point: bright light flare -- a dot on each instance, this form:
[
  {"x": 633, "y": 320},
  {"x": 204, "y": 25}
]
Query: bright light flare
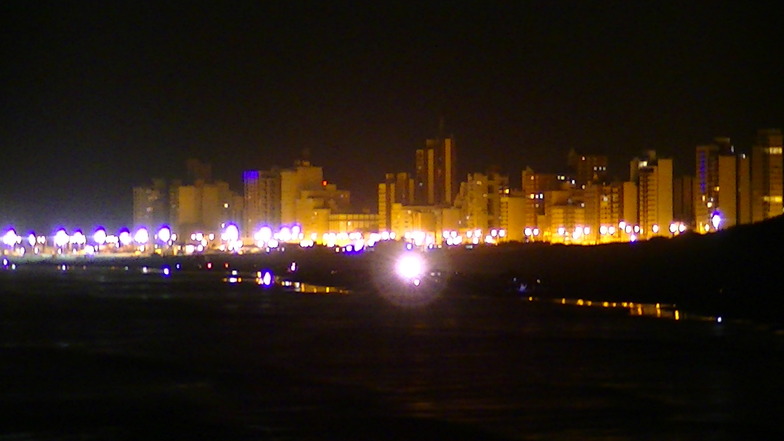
[
  {"x": 125, "y": 238},
  {"x": 9, "y": 238},
  {"x": 263, "y": 235},
  {"x": 99, "y": 236},
  {"x": 142, "y": 236},
  {"x": 410, "y": 266},
  {"x": 231, "y": 233},
  {"x": 61, "y": 238},
  {"x": 78, "y": 238},
  {"x": 164, "y": 234},
  {"x": 716, "y": 221}
]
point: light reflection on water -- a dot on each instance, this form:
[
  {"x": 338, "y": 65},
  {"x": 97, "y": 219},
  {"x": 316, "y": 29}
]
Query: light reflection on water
[
  {"x": 665, "y": 311},
  {"x": 266, "y": 279}
]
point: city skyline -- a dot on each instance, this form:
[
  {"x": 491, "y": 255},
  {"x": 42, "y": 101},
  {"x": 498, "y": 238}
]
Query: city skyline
[{"x": 101, "y": 99}]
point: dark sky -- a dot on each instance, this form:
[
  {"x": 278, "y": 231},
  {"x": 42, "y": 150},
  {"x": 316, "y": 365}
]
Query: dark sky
[{"x": 98, "y": 97}]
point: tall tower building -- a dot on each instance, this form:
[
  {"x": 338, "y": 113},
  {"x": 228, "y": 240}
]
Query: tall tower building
[
  {"x": 205, "y": 207},
  {"x": 396, "y": 188},
  {"x": 654, "y": 200},
  {"x": 261, "y": 200},
  {"x": 603, "y": 210},
  {"x": 767, "y": 178},
  {"x": 683, "y": 199},
  {"x": 722, "y": 186},
  {"x": 303, "y": 176},
  {"x": 151, "y": 205},
  {"x": 482, "y": 200},
  {"x": 436, "y": 181}
]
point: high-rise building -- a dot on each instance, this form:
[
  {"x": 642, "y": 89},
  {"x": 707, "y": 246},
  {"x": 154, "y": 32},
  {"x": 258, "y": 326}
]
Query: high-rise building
[
  {"x": 654, "y": 189},
  {"x": 151, "y": 205},
  {"x": 205, "y": 207},
  {"x": 314, "y": 208},
  {"x": 603, "y": 211},
  {"x": 722, "y": 186},
  {"x": 475, "y": 201},
  {"x": 436, "y": 179},
  {"x": 767, "y": 178},
  {"x": 261, "y": 200},
  {"x": 514, "y": 208},
  {"x": 683, "y": 199},
  {"x": 480, "y": 197},
  {"x": 396, "y": 188},
  {"x": 535, "y": 185},
  {"x": 587, "y": 168},
  {"x": 303, "y": 176}
]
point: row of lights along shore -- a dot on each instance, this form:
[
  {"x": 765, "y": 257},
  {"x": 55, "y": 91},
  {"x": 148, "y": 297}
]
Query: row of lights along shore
[{"x": 164, "y": 240}]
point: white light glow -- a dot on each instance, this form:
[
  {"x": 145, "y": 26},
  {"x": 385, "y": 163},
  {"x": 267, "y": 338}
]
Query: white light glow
[
  {"x": 231, "y": 233},
  {"x": 99, "y": 236},
  {"x": 716, "y": 221},
  {"x": 61, "y": 238},
  {"x": 9, "y": 238},
  {"x": 142, "y": 236},
  {"x": 164, "y": 234},
  {"x": 125, "y": 238},
  {"x": 410, "y": 266}
]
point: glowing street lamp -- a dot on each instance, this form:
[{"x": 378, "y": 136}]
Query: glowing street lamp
[
  {"x": 61, "y": 238},
  {"x": 142, "y": 237},
  {"x": 164, "y": 234},
  {"x": 99, "y": 237},
  {"x": 125, "y": 238},
  {"x": 716, "y": 220},
  {"x": 263, "y": 235},
  {"x": 78, "y": 239},
  {"x": 10, "y": 238},
  {"x": 231, "y": 235}
]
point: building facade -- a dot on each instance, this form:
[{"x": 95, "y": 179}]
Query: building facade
[
  {"x": 261, "y": 200},
  {"x": 722, "y": 186},
  {"x": 654, "y": 189},
  {"x": 396, "y": 188},
  {"x": 151, "y": 205},
  {"x": 767, "y": 177},
  {"x": 436, "y": 180},
  {"x": 293, "y": 181}
]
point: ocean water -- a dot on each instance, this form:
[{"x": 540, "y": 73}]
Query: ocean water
[{"x": 110, "y": 353}]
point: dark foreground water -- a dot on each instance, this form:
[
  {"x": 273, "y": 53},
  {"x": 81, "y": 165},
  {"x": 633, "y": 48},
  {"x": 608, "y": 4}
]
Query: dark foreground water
[{"x": 99, "y": 354}]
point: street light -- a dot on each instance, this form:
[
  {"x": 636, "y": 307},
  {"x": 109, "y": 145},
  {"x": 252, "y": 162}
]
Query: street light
[
  {"x": 231, "y": 234},
  {"x": 164, "y": 234},
  {"x": 10, "y": 238},
  {"x": 125, "y": 237},
  {"x": 99, "y": 237},
  {"x": 61, "y": 239},
  {"x": 78, "y": 239},
  {"x": 141, "y": 237},
  {"x": 716, "y": 220}
]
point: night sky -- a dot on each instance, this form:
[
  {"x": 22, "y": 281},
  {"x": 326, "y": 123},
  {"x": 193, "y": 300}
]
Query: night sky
[{"x": 98, "y": 97}]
